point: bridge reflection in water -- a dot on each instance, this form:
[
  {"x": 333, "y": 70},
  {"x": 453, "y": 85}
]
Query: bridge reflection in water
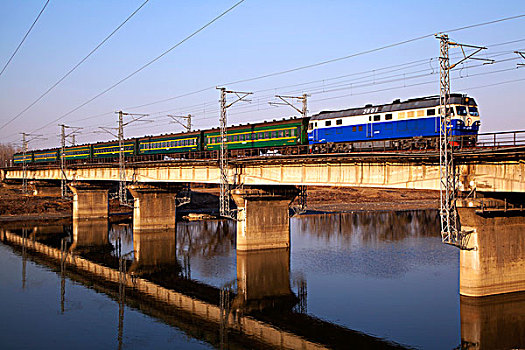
[{"x": 263, "y": 295}]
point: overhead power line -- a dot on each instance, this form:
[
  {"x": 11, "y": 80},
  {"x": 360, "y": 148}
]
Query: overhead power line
[
  {"x": 399, "y": 43},
  {"x": 146, "y": 65},
  {"x": 24, "y": 38},
  {"x": 294, "y": 69},
  {"x": 75, "y": 67}
]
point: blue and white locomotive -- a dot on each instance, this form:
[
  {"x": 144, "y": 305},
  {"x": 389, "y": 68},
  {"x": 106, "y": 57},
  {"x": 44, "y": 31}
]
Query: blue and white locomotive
[{"x": 413, "y": 123}]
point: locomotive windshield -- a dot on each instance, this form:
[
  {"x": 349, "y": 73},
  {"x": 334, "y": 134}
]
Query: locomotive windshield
[
  {"x": 461, "y": 110},
  {"x": 473, "y": 111}
]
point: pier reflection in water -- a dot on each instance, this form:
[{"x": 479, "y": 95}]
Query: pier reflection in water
[
  {"x": 494, "y": 322},
  {"x": 385, "y": 274}
]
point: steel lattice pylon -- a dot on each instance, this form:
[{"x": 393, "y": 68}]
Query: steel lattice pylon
[
  {"x": 122, "y": 190},
  {"x": 223, "y": 161},
  {"x": 450, "y": 227},
  {"x": 24, "y": 163},
  {"x": 224, "y": 199},
  {"x": 448, "y": 212}
]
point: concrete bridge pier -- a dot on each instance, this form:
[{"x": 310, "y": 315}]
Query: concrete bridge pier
[
  {"x": 263, "y": 280},
  {"x": 263, "y": 217},
  {"x": 493, "y": 261},
  {"x": 154, "y": 206},
  {"x": 90, "y": 201}
]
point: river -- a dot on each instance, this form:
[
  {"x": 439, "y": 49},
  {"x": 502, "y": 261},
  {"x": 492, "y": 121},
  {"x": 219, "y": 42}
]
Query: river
[{"x": 350, "y": 280}]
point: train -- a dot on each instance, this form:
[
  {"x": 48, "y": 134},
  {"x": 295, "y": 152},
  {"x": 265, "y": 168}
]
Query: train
[{"x": 410, "y": 124}]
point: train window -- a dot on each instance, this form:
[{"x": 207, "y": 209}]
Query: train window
[
  {"x": 360, "y": 128},
  {"x": 328, "y": 123},
  {"x": 310, "y": 126},
  {"x": 461, "y": 110},
  {"x": 293, "y": 131},
  {"x": 377, "y": 118},
  {"x": 431, "y": 111},
  {"x": 388, "y": 116},
  {"x": 315, "y": 124},
  {"x": 354, "y": 128},
  {"x": 421, "y": 113},
  {"x": 473, "y": 111},
  {"x": 410, "y": 114},
  {"x": 274, "y": 134},
  {"x": 235, "y": 138},
  {"x": 287, "y": 132},
  {"x": 339, "y": 122},
  {"x": 280, "y": 133},
  {"x": 266, "y": 135},
  {"x": 450, "y": 111},
  {"x": 369, "y": 118},
  {"x": 400, "y": 115}
]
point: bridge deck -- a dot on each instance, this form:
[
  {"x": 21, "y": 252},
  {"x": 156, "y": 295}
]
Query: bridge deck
[{"x": 486, "y": 169}]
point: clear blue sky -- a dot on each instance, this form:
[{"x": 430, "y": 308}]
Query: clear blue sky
[{"x": 256, "y": 38}]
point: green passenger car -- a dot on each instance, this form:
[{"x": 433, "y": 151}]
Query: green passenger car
[
  {"x": 77, "y": 152},
  {"x": 19, "y": 158},
  {"x": 261, "y": 135},
  {"x": 50, "y": 155},
  {"x": 111, "y": 149},
  {"x": 175, "y": 143}
]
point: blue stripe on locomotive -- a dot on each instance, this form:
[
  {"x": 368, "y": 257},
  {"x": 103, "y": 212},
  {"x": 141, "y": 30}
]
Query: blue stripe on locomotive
[{"x": 389, "y": 130}]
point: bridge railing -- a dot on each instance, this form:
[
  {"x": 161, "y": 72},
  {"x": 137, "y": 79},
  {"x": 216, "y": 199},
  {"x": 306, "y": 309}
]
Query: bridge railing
[{"x": 501, "y": 139}]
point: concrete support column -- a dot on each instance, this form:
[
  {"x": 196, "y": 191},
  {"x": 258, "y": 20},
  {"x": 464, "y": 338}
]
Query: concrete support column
[
  {"x": 154, "y": 206},
  {"x": 263, "y": 217},
  {"x": 89, "y": 201},
  {"x": 494, "y": 259}
]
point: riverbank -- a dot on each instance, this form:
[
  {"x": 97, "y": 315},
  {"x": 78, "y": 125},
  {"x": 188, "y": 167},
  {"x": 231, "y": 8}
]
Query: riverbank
[{"x": 14, "y": 205}]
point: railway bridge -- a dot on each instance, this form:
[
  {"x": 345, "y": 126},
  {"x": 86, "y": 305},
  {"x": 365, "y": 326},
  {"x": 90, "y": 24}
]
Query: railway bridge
[{"x": 492, "y": 180}]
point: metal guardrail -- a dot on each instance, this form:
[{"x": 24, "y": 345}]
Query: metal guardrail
[{"x": 501, "y": 139}]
